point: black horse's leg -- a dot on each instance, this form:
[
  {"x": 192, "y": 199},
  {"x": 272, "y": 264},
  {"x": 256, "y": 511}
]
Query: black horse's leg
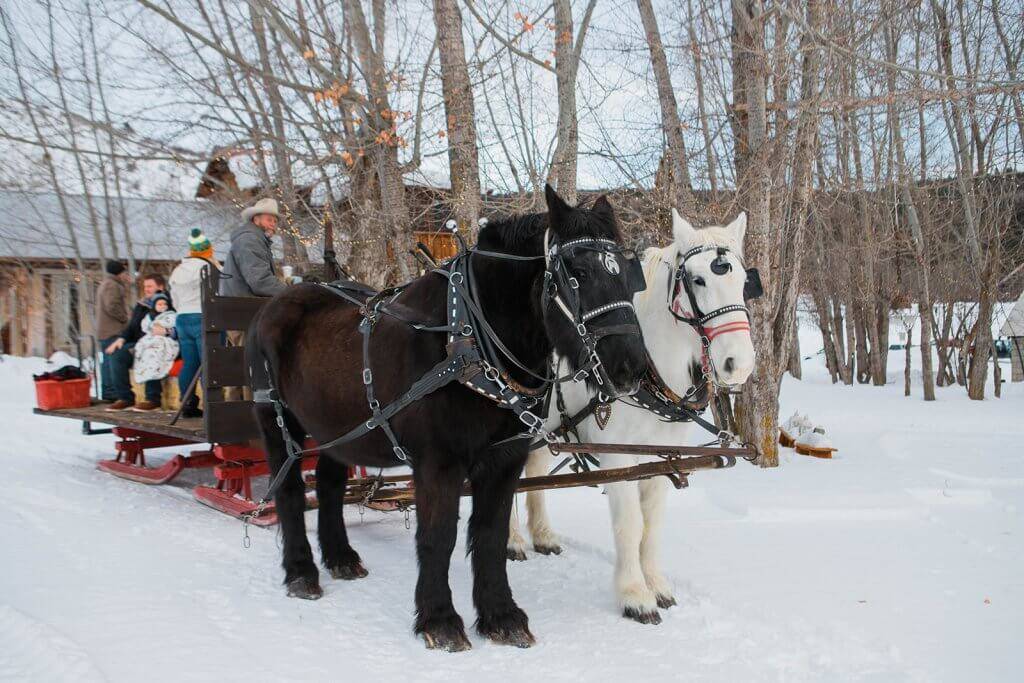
[
  {"x": 438, "y": 488},
  {"x": 339, "y": 558},
  {"x": 300, "y": 574},
  {"x": 494, "y": 479}
]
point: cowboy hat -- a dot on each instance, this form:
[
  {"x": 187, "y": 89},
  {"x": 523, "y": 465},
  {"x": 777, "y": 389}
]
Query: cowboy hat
[{"x": 268, "y": 206}]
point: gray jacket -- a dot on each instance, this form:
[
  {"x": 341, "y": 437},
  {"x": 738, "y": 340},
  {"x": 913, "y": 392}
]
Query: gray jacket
[{"x": 249, "y": 267}]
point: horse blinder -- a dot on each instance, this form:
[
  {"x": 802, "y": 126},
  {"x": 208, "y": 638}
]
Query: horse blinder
[
  {"x": 721, "y": 265},
  {"x": 752, "y": 288},
  {"x": 635, "y": 280}
]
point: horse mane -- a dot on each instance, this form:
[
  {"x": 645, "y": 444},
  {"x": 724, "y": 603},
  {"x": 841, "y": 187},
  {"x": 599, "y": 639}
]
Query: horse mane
[
  {"x": 521, "y": 234},
  {"x": 518, "y": 234}
]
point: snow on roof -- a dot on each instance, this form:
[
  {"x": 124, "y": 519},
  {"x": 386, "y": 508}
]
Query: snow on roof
[
  {"x": 32, "y": 226},
  {"x": 1014, "y": 325}
]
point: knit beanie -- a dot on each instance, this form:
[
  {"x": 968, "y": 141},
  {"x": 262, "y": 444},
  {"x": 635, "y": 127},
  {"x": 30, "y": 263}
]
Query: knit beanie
[
  {"x": 157, "y": 297},
  {"x": 199, "y": 244},
  {"x": 115, "y": 267}
]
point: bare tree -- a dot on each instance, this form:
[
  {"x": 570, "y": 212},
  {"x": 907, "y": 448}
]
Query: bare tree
[
  {"x": 682, "y": 197},
  {"x": 460, "y": 116}
]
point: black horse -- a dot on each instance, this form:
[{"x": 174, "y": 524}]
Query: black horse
[{"x": 306, "y": 340}]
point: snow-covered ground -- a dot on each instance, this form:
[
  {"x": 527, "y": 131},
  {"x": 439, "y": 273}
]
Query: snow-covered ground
[{"x": 900, "y": 560}]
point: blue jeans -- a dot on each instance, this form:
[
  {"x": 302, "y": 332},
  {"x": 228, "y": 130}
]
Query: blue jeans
[
  {"x": 106, "y": 374},
  {"x": 190, "y": 337},
  {"x": 121, "y": 362}
]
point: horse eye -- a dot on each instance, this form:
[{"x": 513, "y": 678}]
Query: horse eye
[{"x": 699, "y": 281}]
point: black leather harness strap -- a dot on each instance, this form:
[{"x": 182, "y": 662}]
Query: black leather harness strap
[{"x": 472, "y": 353}]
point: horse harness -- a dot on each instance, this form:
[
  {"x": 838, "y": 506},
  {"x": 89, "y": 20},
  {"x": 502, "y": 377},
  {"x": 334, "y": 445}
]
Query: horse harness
[
  {"x": 473, "y": 351},
  {"x": 654, "y": 393}
]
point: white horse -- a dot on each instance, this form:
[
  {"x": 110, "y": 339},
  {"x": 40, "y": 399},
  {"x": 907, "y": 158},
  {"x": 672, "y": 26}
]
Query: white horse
[{"x": 711, "y": 258}]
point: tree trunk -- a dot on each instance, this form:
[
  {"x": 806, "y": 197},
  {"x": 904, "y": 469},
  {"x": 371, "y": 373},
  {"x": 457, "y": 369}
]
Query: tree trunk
[
  {"x": 705, "y": 124},
  {"x": 982, "y": 337},
  {"x": 682, "y": 196},
  {"x": 757, "y": 407},
  {"x": 913, "y": 223},
  {"x": 291, "y": 236},
  {"x": 567, "y": 58},
  {"x": 861, "y": 326},
  {"x": 882, "y": 324},
  {"x": 997, "y": 373},
  {"x": 384, "y": 153},
  {"x": 464, "y": 167},
  {"x": 906, "y": 361},
  {"x": 793, "y": 363},
  {"x": 944, "y": 348},
  {"x": 824, "y": 319}
]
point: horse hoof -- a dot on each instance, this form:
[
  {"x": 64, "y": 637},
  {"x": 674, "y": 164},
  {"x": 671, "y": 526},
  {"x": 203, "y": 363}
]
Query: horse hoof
[
  {"x": 516, "y": 554},
  {"x": 305, "y": 588},
  {"x": 349, "y": 572},
  {"x": 644, "y": 617},
  {"x": 666, "y": 601},
  {"x": 445, "y": 634},
  {"x": 510, "y": 628},
  {"x": 553, "y": 549}
]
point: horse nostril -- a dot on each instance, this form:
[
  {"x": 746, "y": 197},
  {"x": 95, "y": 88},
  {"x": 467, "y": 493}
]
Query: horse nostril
[{"x": 730, "y": 364}]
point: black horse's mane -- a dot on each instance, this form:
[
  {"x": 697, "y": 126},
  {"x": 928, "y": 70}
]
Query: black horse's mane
[{"x": 523, "y": 234}]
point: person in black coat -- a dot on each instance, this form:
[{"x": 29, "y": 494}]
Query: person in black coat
[{"x": 121, "y": 350}]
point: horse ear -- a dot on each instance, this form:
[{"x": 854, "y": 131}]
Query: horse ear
[
  {"x": 739, "y": 227},
  {"x": 602, "y": 206},
  {"x": 682, "y": 232},
  {"x": 557, "y": 207}
]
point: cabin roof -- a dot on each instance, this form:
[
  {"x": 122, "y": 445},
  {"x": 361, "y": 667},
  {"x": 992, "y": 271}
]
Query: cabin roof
[{"x": 32, "y": 227}]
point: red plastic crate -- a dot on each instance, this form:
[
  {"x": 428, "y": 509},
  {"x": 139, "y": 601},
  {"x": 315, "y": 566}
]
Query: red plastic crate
[{"x": 53, "y": 395}]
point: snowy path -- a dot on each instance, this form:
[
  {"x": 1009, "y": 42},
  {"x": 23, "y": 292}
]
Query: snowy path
[{"x": 898, "y": 561}]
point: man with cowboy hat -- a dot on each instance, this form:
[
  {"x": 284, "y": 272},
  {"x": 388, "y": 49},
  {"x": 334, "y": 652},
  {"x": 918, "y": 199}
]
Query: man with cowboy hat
[{"x": 249, "y": 267}]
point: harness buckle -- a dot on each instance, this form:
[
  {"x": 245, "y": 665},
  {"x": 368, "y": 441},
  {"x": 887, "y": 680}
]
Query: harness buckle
[
  {"x": 595, "y": 363},
  {"x": 574, "y": 283},
  {"x": 581, "y": 329},
  {"x": 367, "y": 376},
  {"x": 374, "y": 405},
  {"x": 400, "y": 453},
  {"x": 580, "y": 375},
  {"x": 532, "y": 422},
  {"x": 466, "y": 331},
  {"x": 454, "y": 275},
  {"x": 280, "y": 421}
]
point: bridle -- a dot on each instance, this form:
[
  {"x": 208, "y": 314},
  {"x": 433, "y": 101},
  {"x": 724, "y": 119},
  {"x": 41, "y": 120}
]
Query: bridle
[
  {"x": 653, "y": 393},
  {"x": 698, "y": 319},
  {"x": 562, "y": 290}
]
